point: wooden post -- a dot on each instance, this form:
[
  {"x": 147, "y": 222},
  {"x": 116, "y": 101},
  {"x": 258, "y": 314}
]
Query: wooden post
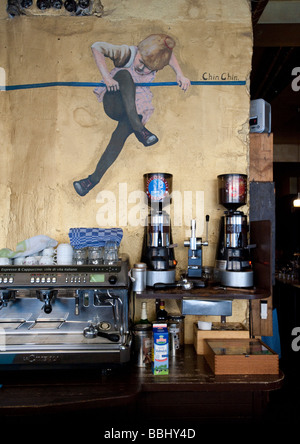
[
  {"x": 261, "y": 157},
  {"x": 261, "y": 170}
]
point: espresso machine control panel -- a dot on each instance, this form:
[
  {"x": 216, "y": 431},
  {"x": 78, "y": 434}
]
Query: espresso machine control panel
[{"x": 63, "y": 276}]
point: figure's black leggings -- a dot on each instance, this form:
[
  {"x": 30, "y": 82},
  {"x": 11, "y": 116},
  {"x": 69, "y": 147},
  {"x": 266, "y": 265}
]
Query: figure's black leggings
[{"x": 119, "y": 106}]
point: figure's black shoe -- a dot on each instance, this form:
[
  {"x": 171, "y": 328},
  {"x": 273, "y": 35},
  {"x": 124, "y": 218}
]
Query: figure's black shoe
[
  {"x": 146, "y": 137},
  {"x": 83, "y": 186}
]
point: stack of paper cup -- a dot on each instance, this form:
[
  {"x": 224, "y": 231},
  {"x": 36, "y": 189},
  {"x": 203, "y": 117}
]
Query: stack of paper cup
[{"x": 64, "y": 254}]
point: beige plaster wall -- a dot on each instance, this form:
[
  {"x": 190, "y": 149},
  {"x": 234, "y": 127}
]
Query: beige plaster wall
[{"x": 53, "y": 136}]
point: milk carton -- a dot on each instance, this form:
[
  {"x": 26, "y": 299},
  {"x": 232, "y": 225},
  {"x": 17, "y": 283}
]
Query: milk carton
[{"x": 160, "y": 350}]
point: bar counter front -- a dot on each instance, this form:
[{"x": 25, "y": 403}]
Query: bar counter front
[{"x": 191, "y": 392}]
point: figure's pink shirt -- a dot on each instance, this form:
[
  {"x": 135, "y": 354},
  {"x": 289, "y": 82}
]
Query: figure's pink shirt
[{"x": 144, "y": 96}]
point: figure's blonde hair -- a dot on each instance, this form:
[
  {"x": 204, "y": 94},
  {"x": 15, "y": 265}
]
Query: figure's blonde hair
[{"x": 156, "y": 51}]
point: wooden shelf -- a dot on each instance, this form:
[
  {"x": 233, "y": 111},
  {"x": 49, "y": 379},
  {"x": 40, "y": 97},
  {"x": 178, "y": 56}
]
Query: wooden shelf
[{"x": 204, "y": 293}]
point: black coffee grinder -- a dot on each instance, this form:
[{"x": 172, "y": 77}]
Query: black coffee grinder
[
  {"x": 233, "y": 256},
  {"x": 158, "y": 248}
]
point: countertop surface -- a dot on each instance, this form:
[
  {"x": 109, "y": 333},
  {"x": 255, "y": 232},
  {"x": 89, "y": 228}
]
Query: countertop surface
[{"x": 74, "y": 388}]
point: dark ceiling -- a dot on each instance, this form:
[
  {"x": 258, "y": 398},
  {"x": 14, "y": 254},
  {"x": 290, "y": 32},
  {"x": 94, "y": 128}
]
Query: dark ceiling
[{"x": 276, "y": 52}]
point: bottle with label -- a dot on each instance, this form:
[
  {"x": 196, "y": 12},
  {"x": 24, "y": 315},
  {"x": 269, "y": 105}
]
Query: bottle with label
[
  {"x": 144, "y": 315},
  {"x": 142, "y": 339},
  {"x": 162, "y": 315}
]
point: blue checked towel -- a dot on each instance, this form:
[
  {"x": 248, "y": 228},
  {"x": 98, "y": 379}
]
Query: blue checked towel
[{"x": 94, "y": 237}]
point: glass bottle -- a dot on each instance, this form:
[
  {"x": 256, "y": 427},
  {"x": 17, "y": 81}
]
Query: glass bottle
[
  {"x": 144, "y": 316},
  {"x": 142, "y": 339},
  {"x": 162, "y": 315}
]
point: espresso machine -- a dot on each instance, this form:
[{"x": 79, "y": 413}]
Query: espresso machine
[
  {"x": 158, "y": 248},
  {"x": 233, "y": 252},
  {"x": 62, "y": 316}
]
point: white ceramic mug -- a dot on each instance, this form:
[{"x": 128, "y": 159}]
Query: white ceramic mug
[
  {"x": 50, "y": 251},
  {"x": 19, "y": 260},
  {"x": 5, "y": 261},
  {"x": 65, "y": 249},
  {"x": 31, "y": 260},
  {"x": 64, "y": 254},
  {"x": 47, "y": 260}
]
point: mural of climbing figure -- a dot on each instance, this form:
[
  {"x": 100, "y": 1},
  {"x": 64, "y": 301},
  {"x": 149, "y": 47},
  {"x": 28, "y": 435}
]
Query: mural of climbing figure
[{"x": 123, "y": 101}]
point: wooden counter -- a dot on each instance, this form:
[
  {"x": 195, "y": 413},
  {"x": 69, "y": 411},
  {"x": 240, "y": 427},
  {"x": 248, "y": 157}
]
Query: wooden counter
[{"x": 191, "y": 392}]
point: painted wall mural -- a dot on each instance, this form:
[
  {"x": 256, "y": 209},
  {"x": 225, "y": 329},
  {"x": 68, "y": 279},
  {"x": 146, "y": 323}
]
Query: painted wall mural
[
  {"x": 59, "y": 116},
  {"x": 124, "y": 100},
  {"x": 106, "y": 100}
]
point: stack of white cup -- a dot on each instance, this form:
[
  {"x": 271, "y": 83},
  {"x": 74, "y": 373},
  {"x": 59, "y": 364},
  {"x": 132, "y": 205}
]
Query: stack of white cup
[
  {"x": 64, "y": 254},
  {"x": 5, "y": 261},
  {"x": 48, "y": 256},
  {"x": 19, "y": 260}
]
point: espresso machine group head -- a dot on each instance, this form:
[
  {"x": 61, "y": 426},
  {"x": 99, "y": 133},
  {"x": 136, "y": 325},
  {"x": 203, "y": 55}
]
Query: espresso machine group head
[
  {"x": 233, "y": 258},
  {"x": 158, "y": 247}
]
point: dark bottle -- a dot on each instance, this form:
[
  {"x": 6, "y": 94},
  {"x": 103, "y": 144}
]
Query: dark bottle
[
  {"x": 162, "y": 315},
  {"x": 70, "y": 5}
]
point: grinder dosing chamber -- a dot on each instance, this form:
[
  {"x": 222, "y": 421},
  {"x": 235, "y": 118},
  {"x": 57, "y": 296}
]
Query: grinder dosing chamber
[
  {"x": 233, "y": 251},
  {"x": 158, "y": 248}
]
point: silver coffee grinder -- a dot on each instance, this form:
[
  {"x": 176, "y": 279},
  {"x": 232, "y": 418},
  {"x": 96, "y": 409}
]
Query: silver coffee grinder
[
  {"x": 233, "y": 252},
  {"x": 158, "y": 249}
]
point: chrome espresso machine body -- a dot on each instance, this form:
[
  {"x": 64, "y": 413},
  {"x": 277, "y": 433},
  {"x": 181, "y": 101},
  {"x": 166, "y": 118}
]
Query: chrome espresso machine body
[{"x": 64, "y": 315}]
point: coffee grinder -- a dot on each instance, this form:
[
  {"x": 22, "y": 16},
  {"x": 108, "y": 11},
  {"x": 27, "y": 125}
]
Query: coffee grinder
[
  {"x": 158, "y": 248},
  {"x": 233, "y": 252}
]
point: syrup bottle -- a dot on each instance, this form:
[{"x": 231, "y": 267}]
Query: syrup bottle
[{"x": 162, "y": 315}]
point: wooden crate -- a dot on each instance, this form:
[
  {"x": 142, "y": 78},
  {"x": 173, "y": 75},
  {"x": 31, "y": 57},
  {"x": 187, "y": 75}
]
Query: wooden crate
[
  {"x": 233, "y": 330},
  {"x": 240, "y": 356}
]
